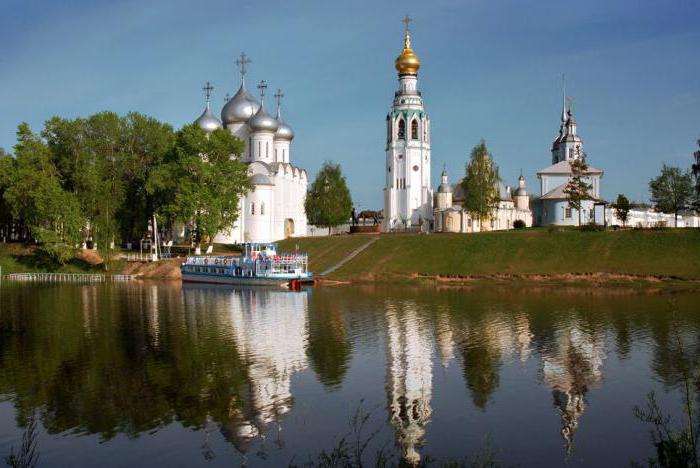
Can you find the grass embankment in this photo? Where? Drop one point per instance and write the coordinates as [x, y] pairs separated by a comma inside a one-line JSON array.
[[324, 252], [672, 253], [18, 258]]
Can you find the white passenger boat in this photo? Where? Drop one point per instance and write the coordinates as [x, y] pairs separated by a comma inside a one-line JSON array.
[[260, 265]]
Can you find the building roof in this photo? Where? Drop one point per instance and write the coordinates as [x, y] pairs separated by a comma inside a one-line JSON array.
[[558, 193], [564, 168]]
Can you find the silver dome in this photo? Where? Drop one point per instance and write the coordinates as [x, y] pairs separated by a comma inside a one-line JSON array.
[[207, 121], [445, 188], [260, 179], [521, 191], [241, 107], [263, 122], [284, 131]]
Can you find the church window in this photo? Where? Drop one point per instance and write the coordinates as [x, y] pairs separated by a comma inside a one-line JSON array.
[[262, 208], [414, 129], [267, 149], [402, 129], [567, 213], [401, 156], [250, 148], [388, 130], [259, 149], [388, 168], [252, 208], [275, 154], [415, 168]]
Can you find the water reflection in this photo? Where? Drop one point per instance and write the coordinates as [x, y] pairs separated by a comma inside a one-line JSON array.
[[111, 360]]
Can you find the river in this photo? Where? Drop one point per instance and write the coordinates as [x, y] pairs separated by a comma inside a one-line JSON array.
[[160, 374]]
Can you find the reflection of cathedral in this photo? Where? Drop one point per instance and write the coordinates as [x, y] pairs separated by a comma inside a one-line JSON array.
[[570, 367], [269, 329], [409, 378]]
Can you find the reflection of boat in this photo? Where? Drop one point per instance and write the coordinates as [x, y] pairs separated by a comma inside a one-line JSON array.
[[260, 265]]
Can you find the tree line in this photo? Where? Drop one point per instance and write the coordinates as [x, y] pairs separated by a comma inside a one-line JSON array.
[[105, 177]]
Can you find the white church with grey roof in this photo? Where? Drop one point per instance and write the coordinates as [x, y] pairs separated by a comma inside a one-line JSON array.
[[274, 209]]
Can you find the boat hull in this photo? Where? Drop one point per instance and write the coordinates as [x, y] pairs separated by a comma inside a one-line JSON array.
[[238, 280]]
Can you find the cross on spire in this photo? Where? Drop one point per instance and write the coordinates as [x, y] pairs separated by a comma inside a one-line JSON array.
[[227, 98], [278, 97], [208, 88], [406, 20], [242, 61], [570, 100], [262, 87]]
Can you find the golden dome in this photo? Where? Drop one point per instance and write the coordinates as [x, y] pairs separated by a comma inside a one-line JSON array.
[[407, 63]]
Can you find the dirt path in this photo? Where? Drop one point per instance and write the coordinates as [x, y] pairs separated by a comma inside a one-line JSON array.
[[352, 255]]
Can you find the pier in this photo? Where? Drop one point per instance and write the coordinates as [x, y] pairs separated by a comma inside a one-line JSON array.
[[67, 277]]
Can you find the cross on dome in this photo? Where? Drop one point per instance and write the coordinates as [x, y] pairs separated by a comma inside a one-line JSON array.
[[406, 20], [208, 88], [242, 61], [278, 97], [262, 87]]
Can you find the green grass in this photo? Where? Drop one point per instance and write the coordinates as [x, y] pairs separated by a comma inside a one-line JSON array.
[[324, 252], [17, 258], [672, 252]]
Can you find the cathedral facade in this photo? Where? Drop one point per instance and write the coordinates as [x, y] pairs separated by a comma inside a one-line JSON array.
[[408, 197], [274, 208]]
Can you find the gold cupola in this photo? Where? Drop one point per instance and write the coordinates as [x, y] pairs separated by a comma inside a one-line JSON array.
[[407, 63]]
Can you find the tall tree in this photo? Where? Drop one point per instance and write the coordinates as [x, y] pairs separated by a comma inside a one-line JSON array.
[[36, 198], [200, 181], [622, 208], [672, 190], [696, 174], [577, 189], [480, 184], [328, 203], [7, 176]]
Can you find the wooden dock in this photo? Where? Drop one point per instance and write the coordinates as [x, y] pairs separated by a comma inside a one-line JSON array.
[[67, 277]]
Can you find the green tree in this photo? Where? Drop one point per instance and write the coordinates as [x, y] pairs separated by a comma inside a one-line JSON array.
[[36, 197], [480, 184], [7, 175], [622, 208], [200, 181], [696, 174], [577, 189], [672, 190], [328, 203]]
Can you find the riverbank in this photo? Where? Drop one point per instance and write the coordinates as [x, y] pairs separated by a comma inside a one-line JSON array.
[[565, 255]]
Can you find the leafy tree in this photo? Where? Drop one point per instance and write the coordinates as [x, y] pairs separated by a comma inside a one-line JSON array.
[[36, 197], [7, 175], [200, 182], [622, 208], [328, 203], [577, 189], [672, 190], [480, 184], [696, 174]]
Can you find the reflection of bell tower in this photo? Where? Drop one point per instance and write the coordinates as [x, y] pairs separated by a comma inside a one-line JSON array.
[[570, 368], [408, 379]]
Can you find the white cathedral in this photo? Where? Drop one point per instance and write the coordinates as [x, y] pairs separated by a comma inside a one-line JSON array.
[[274, 209]]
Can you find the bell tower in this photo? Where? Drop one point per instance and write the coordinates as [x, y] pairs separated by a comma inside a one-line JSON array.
[[408, 197]]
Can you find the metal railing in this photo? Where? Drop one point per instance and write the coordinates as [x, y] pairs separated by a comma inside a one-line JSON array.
[[67, 277]]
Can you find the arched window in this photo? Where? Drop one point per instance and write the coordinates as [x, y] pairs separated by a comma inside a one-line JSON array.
[[250, 147], [402, 129], [252, 208], [388, 130], [284, 155], [414, 129], [275, 154], [259, 149], [262, 208], [267, 149]]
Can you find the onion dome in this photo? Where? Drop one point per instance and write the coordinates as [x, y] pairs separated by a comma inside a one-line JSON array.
[[284, 131], [407, 63], [207, 121], [445, 186], [521, 191], [260, 179], [263, 122], [241, 107]]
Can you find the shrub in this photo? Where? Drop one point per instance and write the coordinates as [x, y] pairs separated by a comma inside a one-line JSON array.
[[519, 224]]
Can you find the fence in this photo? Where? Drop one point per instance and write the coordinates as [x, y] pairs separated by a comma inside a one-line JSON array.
[[67, 277]]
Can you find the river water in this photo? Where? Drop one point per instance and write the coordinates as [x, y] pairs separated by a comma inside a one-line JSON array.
[[160, 374]]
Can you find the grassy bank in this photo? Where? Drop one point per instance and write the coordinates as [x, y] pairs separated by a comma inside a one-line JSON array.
[[324, 252], [663, 253], [18, 258]]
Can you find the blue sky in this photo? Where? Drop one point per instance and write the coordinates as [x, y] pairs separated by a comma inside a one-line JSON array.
[[491, 69]]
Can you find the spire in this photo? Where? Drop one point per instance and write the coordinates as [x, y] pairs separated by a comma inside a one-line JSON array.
[[563, 98], [262, 86], [208, 88], [242, 62], [278, 97], [407, 36]]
